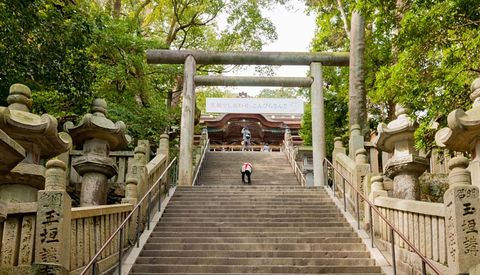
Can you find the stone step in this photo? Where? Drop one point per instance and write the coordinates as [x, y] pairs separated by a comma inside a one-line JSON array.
[[260, 211], [257, 246], [250, 220], [155, 234], [255, 261], [200, 214], [241, 240], [278, 269], [255, 254], [253, 224], [253, 203], [170, 228]]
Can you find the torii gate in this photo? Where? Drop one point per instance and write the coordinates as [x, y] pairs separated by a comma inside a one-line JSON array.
[[315, 60]]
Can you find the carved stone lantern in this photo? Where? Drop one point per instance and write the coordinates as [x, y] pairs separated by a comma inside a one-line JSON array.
[[406, 165], [39, 138], [463, 132], [98, 135]]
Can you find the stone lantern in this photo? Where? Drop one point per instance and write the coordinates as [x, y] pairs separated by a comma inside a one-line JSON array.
[[98, 135], [405, 166], [463, 132], [39, 138]]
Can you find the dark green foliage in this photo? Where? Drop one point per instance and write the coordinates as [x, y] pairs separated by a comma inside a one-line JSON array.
[[44, 44]]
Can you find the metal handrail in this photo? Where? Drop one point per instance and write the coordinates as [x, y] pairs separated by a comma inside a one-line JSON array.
[[122, 225], [372, 206], [296, 169], [200, 163]]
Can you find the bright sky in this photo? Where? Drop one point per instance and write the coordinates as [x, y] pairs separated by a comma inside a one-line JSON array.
[[295, 31]]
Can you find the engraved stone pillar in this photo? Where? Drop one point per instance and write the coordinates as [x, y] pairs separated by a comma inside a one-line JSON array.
[[137, 176], [405, 166], [98, 135], [462, 218], [53, 226], [40, 140], [463, 132]]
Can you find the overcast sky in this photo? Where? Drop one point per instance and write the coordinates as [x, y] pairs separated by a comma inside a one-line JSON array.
[[295, 31]]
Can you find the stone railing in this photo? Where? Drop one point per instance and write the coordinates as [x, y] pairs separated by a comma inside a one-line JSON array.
[[354, 171], [422, 223], [17, 238], [91, 227], [290, 154]]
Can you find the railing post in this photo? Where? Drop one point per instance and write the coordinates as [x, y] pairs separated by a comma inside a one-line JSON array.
[[120, 252], [53, 223], [138, 225], [394, 261], [358, 210], [371, 225], [149, 201], [344, 196]]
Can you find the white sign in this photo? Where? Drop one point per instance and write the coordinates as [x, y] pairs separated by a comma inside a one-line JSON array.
[[255, 105]]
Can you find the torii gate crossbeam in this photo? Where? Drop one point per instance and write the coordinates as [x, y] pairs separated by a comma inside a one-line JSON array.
[[192, 58]]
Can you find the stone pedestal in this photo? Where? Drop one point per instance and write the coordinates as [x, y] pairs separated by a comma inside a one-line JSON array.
[[462, 200], [28, 138], [462, 217], [98, 135], [53, 226], [405, 166]]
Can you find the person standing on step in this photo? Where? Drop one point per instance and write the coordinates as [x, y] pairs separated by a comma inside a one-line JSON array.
[[246, 138], [247, 169]]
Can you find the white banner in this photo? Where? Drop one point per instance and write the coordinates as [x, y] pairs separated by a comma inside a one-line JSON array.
[[255, 105]]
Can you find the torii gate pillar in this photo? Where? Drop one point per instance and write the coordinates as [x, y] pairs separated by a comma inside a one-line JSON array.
[[185, 166]]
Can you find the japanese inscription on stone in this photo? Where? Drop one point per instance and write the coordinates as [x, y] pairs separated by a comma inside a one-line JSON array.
[[462, 216]]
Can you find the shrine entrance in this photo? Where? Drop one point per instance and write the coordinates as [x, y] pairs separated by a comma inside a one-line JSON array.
[[190, 59]]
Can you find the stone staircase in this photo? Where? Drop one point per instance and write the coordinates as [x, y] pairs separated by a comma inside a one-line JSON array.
[[271, 226]]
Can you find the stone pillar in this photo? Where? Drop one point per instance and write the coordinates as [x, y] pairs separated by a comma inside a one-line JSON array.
[[288, 138], [318, 124], [377, 190], [96, 168], [185, 168], [356, 140], [137, 174], [462, 217], [163, 146], [357, 106], [338, 148], [98, 135], [405, 166], [53, 226]]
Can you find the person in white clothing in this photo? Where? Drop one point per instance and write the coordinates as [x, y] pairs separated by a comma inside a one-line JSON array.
[[247, 169]]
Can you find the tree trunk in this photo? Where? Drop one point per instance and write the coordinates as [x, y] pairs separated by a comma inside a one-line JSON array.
[[117, 6]]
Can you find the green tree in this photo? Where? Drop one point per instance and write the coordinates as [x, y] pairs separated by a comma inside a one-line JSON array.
[[44, 44], [421, 53]]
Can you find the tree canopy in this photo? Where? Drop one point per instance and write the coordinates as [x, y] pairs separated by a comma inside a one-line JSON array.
[[69, 52], [420, 53]]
